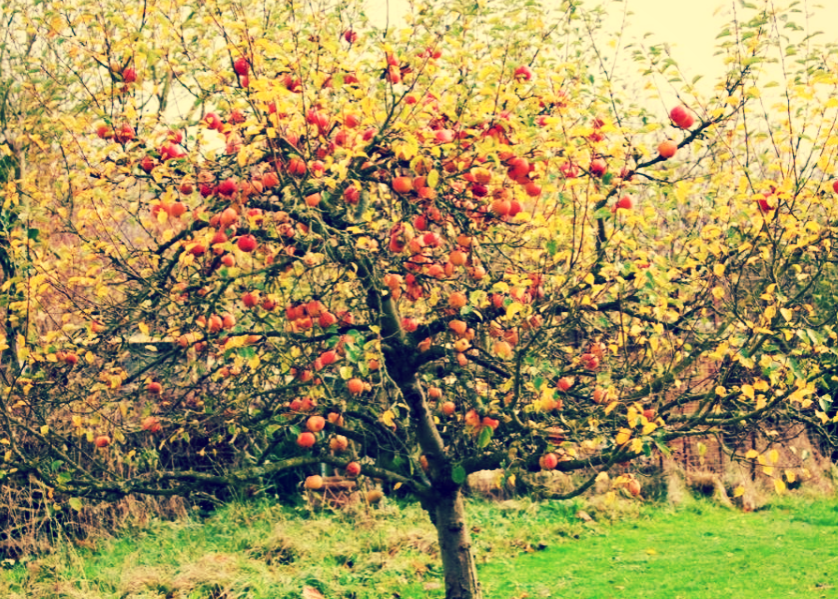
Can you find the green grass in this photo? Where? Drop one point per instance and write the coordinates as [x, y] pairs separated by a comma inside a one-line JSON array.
[[523, 548], [703, 553]]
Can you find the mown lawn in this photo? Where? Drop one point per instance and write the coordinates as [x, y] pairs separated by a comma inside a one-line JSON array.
[[524, 549]]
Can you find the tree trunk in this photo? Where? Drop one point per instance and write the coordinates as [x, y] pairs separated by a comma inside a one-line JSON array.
[[449, 517]]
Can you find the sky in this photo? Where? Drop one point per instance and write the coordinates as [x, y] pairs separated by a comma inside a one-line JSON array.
[[689, 26]]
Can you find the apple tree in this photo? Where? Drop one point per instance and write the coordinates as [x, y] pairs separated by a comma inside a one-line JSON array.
[[274, 235]]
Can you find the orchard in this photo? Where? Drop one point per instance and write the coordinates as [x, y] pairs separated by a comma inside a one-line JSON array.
[[242, 239]]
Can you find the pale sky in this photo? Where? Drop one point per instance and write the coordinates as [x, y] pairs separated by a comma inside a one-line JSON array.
[[688, 26]]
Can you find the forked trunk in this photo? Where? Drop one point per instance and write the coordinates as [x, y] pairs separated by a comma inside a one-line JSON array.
[[458, 567]]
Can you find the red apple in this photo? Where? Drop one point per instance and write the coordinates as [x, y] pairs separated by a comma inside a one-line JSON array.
[[247, 243]]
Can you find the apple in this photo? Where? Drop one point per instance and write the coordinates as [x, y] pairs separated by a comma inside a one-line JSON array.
[[103, 131], [247, 243], [351, 195], [355, 386], [523, 73], [500, 208], [491, 422], [314, 482], [457, 300], [598, 167], [667, 148], [249, 299], [71, 359], [102, 441], [147, 164], [458, 326], [124, 134], [338, 443], [548, 461], [403, 184], [306, 439], [326, 319], [600, 395], [154, 387], [590, 361], [353, 469], [213, 121], [315, 424], [129, 75], [533, 190], [502, 349], [448, 408], [565, 383], [151, 424], [681, 117], [625, 203], [633, 487], [835, 186], [241, 66]]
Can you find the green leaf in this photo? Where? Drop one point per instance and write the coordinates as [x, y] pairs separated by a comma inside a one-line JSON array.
[[485, 436], [458, 475], [33, 234], [76, 504]]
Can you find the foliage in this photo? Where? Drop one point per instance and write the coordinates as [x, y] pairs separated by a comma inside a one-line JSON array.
[[238, 224]]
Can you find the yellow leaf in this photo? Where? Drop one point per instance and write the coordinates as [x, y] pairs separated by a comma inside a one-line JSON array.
[[739, 491], [748, 391], [397, 486], [791, 476], [637, 445], [768, 470], [143, 327], [510, 482], [589, 279], [649, 427], [432, 179], [774, 456], [779, 486], [752, 453], [721, 391], [513, 309], [623, 436], [253, 363], [761, 386], [718, 292], [387, 418], [45, 429], [718, 269], [786, 313]]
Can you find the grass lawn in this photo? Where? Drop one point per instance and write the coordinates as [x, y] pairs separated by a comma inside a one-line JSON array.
[[524, 549], [702, 553]]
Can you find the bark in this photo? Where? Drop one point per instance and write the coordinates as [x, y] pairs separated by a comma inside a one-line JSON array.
[[448, 515]]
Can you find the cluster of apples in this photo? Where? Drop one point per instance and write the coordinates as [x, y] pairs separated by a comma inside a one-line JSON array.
[[682, 119]]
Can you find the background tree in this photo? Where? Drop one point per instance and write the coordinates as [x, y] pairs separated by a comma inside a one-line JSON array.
[[275, 236]]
